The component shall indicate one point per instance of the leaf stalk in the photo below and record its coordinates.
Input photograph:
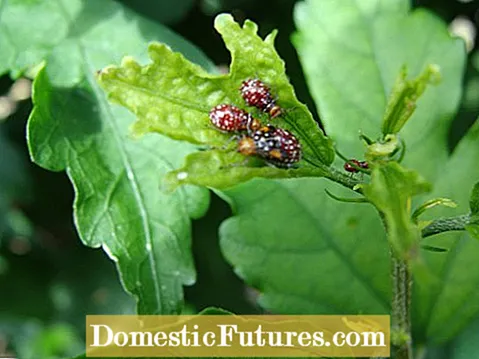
(440, 225)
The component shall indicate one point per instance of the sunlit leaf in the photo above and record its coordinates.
(172, 96)
(222, 169)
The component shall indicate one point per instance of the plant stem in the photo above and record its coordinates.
(401, 309)
(339, 177)
(440, 225)
(401, 339)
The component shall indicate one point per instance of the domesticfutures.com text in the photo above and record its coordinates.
(230, 334)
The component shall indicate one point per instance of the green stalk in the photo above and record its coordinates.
(401, 309)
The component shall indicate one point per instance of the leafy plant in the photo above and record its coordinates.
(387, 83)
(182, 105)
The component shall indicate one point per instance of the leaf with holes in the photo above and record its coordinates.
(172, 96)
(118, 204)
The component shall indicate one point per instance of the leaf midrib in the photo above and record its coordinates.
(174, 100)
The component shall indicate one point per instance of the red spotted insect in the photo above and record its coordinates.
(229, 118)
(276, 146)
(258, 95)
(348, 166)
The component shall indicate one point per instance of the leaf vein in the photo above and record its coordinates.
(352, 268)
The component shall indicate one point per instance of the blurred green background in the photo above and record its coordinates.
(49, 281)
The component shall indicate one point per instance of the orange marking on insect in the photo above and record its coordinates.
(254, 125)
(275, 111)
(246, 146)
(275, 154)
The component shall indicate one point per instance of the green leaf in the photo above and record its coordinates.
(404, 96)
(442, 308)
(149, 93)
(173, 96)
(431, 204)
(165, 11)
(222, 169)
(62, 23)
(382, 149)
(118, 204)
(379, 40)
(117, 207)
(346, 200)
(352, 52)
(473, 227)
(214, 311)
(303, 251)
(465, 345)
(391, 190)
